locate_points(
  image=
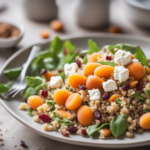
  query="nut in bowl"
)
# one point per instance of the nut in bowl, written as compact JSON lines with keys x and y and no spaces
{"x":10,"y":34}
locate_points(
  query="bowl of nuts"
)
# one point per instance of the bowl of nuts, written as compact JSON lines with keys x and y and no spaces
{"x":10,"y":34}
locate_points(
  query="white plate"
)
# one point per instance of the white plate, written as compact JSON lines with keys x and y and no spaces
{"x":80,"y":41}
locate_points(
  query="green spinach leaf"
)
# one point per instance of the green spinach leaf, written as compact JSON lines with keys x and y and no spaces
{"x":62,"y":74}
{"x":118,"y":125}
{"x":93,"y":47}
{"x":5,"y":87}
{"x":30,"y":91}
{"x":107,"y":63}
{"x":139,"y":96}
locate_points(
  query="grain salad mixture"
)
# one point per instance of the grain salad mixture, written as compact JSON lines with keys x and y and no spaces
{"x":94,"y":92}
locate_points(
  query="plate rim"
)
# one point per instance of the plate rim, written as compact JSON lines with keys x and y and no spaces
{"x":62,"y":139}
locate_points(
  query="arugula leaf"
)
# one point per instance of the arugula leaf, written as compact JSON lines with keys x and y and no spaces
{"x":123,"y":46}
{"x":139,"y":96}
{"x":5,"y":87}
{"x":52,"y":104}
{"x":35,"y":82}
{"x":12,"y":73}
{"x":118,"y":101}
{"x":107,"y":63}
{"x":148,"y":95}
{"x":92,"y":130}
{"x":53,"y":91}
{"x":67,"y":88}
{"x":85,"y":60}
{"x":30,"y":111}
{"x":141,"y":57}
{"x":92,"y":47}
{"x":30,"y":91}
{"x":62,"y":74}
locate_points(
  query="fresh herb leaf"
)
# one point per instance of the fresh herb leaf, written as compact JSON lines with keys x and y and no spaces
{"x":30,"y":111}
{"x":86,"y":103}
{"x":51,"y":124}
{"x":57,"y":115}
{"x":141,"y":57}
{"x":70,"y":46}
{"x":132,"y":104}
{"x":118,"y":125}
{"x":52,"y":104}
{"x":5,"y":87}
{"x":53,"y":91}
{"x":139,"y":96}
{"x":146,"y":111}
{"x":107,"y":63}
{"x":85,"y":60}
{"x":62,"y":74}
{"x":148,"y":95}
{"x":92,"y":47}
{"x":120,"y":85}
{"x":92,"y":130}
{"x":12,"y":73}
{"x":30,"y":91}
{"x":35,"y":82}
{"x":118,"y":101}
{"x":123,"y":46}
{"x":67,"y":88}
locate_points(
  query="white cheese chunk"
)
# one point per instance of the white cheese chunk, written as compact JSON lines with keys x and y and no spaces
{"x":121,"y":73}
{"x":122,"y":58}
{"x":136,"y":60}
{"x":70,"y":69}
{"x":110,"y":85}
{"x":56,"y":82}
{"x":94,"y":94}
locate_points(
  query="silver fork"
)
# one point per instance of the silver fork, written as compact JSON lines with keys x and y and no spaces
{"x":20,"y":83}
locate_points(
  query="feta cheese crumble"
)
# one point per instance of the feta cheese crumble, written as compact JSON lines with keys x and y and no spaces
{"x":136,"y":60}
{"x":56,"y":82}
{"x":109,"y":85}
{"x":122,"y":58}
{"x":70,"y":69}
{"x":121,"y":73}
{"x":94,"y":94}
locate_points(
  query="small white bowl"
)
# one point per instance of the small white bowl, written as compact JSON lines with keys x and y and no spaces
{"x":13,"y":41}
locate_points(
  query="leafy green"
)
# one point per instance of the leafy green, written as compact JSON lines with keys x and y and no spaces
{"x":86,"y":103}
{"x":92,"y":47}
{"x":148,"y":95}
{"x":141,"y":57}
{"x":57,"y":115}
{"x":62,"y":74}
{"x":52,"y":104}
{"x":139,"y":96}
{"x":118,"y":101}
{"x":5,"y":87}
{"x":92,"y":130}
{"x":12,"y":73}
{"x":35,"y":82}
{"x":67,"y":88}
{"x":85,"y":60}
{"x":132,"y":104}
{"x":118,"y":125}
{"x":123,"y":46}
{"x":30,"y":111}
{"x":53,"y":91}
{"x":107,"y":63}
{"x":30,"y":91}
{"x":146,"y":111}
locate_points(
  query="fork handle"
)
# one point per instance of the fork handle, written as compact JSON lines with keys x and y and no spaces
{"x":32,"y":54}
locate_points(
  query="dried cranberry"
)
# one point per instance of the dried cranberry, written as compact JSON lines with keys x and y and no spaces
{"x":44,"y":93}
{"x":78,"y":62}
{"x":72,"y":129}
{"x":42,"y":72}
{"x":139,"y":86}
{"x":126,"y":87}
{"x":23,"y":144}
{"x":83,"y":131}
{"x":97,"y":115}
{"x":64,"y":133}
{"x":108,"y":58}
{"x":105,"y":50}
{"x":106,"y":96}
{"x":59,"y":71}
{"x":45,"y":118}
{"x":82,"y":87}
{"x":81,"y":55}
{"x":26,"y":100}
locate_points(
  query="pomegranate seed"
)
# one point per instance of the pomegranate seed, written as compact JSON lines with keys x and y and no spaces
{"x":23,"y":144}
{"x":81,"y":55}
{"x":83,"y":131}
{"x":139,"y":86}
{"x":26,"y":100}
{"x":97,"y":115}
{"x":42,"y":72}
{"x":64,"y":133}
{"x":45,"y":118}
{"x":44,"y":93}
{"x":108,"y":58}
{"x":78,"y":62}
{"x":106,"y":96}
{"x":82,"y":87}
{"x":126,"y":87}
{"x":72,"y":129}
